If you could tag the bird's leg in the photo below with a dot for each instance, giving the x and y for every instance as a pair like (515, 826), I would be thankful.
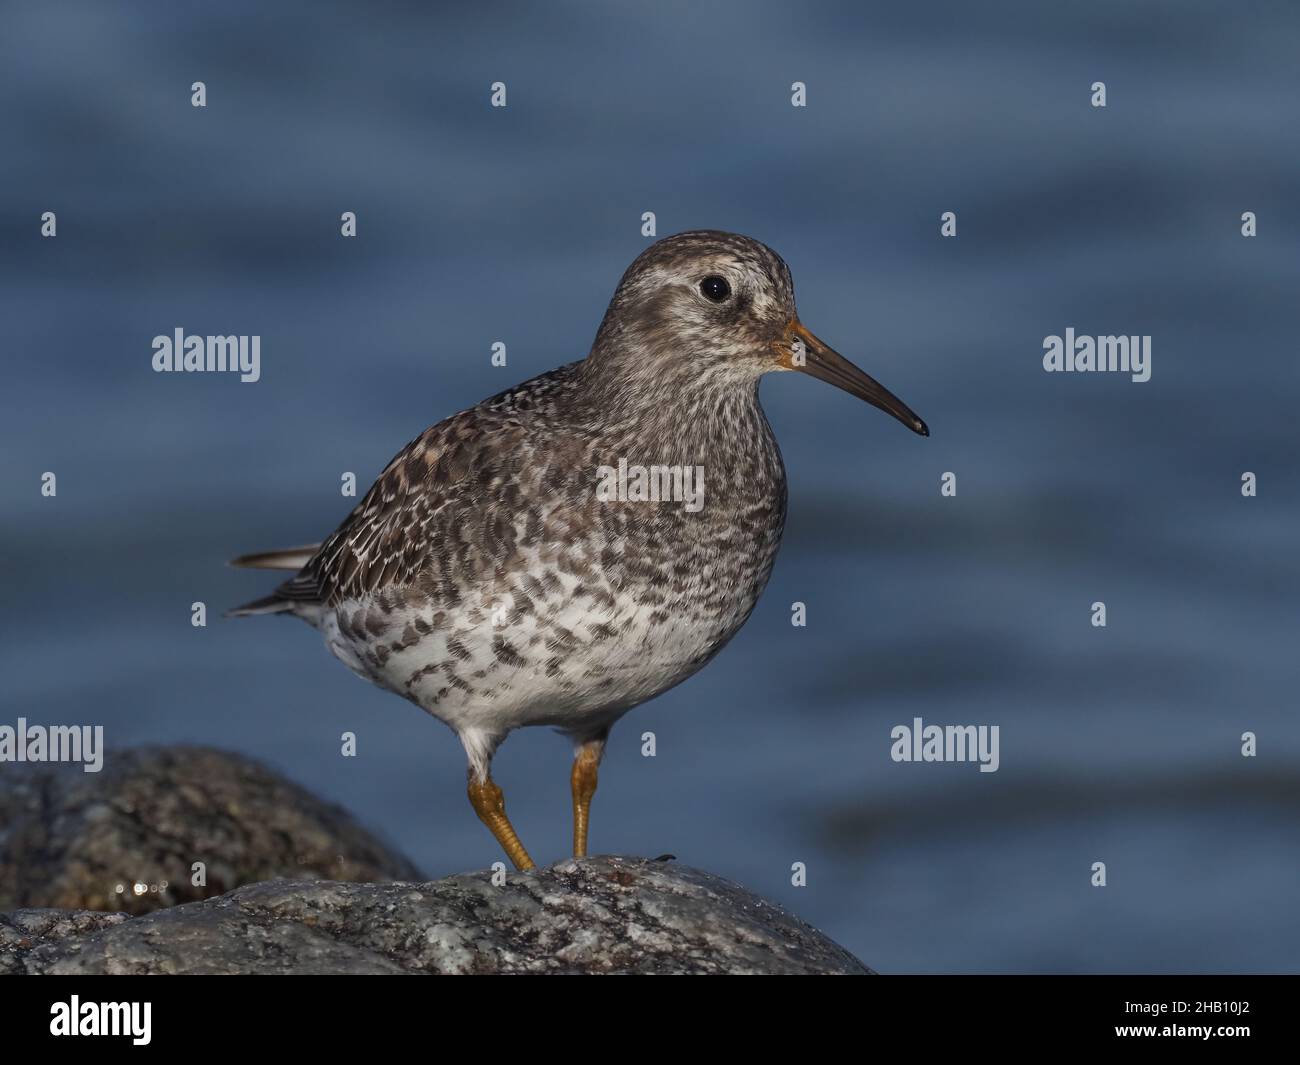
(490, 805)
(586, 760)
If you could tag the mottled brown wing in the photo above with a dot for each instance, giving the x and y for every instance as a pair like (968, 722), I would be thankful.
(391, 536)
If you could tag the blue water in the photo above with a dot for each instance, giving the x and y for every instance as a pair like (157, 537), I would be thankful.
(476, 225)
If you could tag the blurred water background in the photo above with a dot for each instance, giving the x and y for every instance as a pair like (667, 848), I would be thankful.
(476, 225)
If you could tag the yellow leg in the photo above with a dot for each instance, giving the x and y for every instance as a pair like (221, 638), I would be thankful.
(490, 805)
(586, 760)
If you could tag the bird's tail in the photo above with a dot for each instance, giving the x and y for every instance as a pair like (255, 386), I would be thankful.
(270, 604)
(290, 558)
(293, 558)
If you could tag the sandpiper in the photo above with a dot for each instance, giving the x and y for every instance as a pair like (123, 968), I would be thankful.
(586, 540)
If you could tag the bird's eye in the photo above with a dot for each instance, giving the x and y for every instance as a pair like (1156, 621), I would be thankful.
(715, 288)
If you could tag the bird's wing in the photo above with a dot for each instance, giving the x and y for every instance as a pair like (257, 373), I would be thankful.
(397, 531)
(450, 507)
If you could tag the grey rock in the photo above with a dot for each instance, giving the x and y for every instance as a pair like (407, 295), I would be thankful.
(69, 839)
(81, 841)
(590, 915)
(23, 931)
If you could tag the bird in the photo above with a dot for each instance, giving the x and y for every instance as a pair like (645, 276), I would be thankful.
(584, 541)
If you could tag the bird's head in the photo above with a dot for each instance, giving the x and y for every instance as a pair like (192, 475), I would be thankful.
(717, 307)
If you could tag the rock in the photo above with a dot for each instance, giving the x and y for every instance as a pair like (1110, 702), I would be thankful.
(590, 915)
(68, 840)
(82, 841)
(24, 930)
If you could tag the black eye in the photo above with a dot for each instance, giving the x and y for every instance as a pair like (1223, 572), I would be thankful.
(715, 288)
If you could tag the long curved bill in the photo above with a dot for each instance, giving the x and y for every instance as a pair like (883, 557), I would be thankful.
(823, 362)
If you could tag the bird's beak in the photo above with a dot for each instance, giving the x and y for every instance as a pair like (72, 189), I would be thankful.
(802, 351)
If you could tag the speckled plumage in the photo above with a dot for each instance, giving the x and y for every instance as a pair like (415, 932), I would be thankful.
(481, 576)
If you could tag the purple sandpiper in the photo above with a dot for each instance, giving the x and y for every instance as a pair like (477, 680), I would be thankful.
(586, 540)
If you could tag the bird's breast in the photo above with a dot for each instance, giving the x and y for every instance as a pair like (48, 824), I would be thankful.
(599, 575)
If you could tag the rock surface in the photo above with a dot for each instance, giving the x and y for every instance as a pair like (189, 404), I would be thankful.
(83, 841)
(590, 915)
(74, 843)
